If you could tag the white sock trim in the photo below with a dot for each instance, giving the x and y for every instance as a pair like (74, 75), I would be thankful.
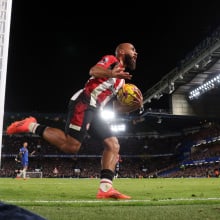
(33, 126)
(106, 181)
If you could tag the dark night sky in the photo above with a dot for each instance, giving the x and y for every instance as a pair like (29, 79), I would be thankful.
(52, 48)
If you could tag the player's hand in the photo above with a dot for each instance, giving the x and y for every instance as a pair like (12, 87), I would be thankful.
(118, 72)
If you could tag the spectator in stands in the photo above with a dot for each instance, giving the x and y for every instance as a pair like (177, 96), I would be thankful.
(117, 166)
(18, 166)
(216, 172)
(55, 172)
(106, 78)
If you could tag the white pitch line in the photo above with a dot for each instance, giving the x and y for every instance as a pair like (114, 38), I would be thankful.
(105, 200)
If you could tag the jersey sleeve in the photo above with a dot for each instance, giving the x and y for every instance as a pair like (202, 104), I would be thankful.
(108, 61)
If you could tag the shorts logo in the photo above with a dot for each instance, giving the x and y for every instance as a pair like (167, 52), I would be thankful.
(87, 126)
(75, 127)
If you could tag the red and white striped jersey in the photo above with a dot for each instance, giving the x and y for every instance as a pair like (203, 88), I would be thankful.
(99, 91)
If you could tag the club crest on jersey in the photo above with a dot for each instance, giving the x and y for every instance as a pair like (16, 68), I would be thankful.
(103, 61)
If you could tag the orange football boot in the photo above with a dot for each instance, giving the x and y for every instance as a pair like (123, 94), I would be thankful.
(111, 193)
(20, 126)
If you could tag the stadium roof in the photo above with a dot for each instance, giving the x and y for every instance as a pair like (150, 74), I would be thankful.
(199, 66)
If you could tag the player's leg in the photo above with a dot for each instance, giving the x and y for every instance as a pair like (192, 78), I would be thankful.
(62, 140)
(21, 173)
(54, 136)
(108, 164)
(110, 153)
(24, 171)
(100, 129)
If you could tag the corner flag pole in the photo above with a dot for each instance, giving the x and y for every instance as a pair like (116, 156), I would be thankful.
(5, 22)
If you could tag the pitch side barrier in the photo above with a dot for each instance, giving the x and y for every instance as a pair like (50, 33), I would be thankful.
(203, 161)
(90, 156)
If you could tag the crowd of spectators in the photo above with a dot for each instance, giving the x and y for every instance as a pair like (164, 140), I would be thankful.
(141, 157)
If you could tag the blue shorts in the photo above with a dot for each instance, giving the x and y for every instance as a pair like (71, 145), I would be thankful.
(24, 163)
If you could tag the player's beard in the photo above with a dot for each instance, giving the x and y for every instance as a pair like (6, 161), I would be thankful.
(129, 62)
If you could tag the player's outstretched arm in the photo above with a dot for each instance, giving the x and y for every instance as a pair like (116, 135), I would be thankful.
(117, 72)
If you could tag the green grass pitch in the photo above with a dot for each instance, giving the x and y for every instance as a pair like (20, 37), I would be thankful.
(160, 198)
